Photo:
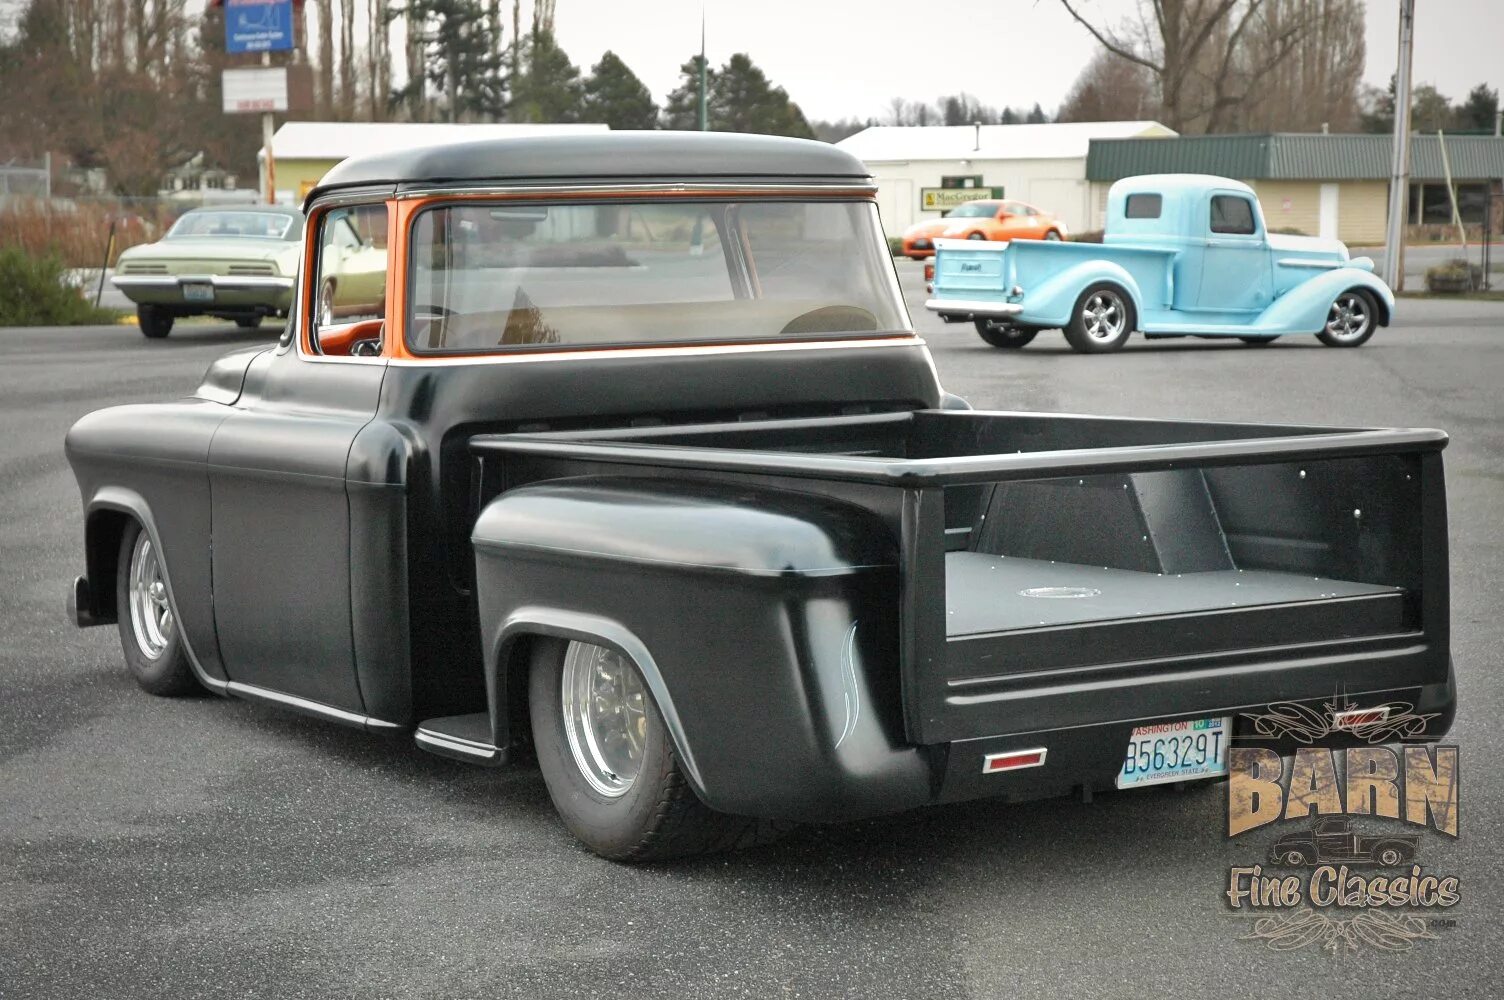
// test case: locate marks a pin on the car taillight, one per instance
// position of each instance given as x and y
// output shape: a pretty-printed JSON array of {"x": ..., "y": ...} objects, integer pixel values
[
  {"x": 1013, "y": 760},
  {"x": 929, "y": 272},
  {"x": 1353, "y": 718}
]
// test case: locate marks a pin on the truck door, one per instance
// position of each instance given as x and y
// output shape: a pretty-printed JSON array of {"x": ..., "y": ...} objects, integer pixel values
[
  {"x": 281, "y": 513},
  {"x": 1235, "y": 271}
]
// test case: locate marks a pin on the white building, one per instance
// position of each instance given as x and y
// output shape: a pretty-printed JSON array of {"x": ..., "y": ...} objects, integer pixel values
[{"x": 1044, "y": 165}]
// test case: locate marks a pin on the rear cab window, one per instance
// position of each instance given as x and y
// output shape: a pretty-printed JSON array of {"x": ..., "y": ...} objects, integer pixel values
[
  {"x": 509, "y": 276},
  {"x": 1143, "y": 206}
]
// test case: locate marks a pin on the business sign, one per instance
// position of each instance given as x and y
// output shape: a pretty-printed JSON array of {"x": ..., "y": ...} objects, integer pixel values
[
  {"x": 945, "y": 199},
  {"x": 258, "y": 25},
  {"x": 260, "y": 88}
]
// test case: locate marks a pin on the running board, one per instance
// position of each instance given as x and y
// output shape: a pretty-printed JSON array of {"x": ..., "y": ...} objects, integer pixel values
[{"x": 461, "y": 737}]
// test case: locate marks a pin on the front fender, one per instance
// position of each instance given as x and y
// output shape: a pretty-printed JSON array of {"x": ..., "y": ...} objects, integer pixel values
[
  {"x": 1304, "y": 308},
  {"x": 764, "y": 623},
  {"x": 1051, "y": 302}
]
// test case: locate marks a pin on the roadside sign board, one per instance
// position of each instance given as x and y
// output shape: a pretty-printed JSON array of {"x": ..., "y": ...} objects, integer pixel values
[
  {"x": 255, "y": 89},
  {"x": 258, "y": 25},
  {"x": 945, "y": 199}
]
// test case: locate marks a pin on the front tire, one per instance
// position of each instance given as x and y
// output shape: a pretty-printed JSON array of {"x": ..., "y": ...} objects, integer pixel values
[
  {"x": 248, "y": 322},
  {"x": 1351, "y": 319},
  {"x": 610, "y": 765},
  {"x": 154, "y": 321},
  {"x": 1002, "y": 334},
  {"x": 149, "y": 631},
  {"x": 976, "y": 236},
  {"x": 1101, "y": 321}
]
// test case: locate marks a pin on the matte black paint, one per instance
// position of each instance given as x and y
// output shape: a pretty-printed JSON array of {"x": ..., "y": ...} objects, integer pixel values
[{"x": 762, "y": 532}]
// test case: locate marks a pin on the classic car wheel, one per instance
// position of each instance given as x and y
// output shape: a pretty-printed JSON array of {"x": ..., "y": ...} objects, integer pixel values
[
  {"x": 153, "y": 321},
  {"x": 1295, "y": 858},
  {"x": 1052, "y": 235},
  {"x": 610, "y": 765},
  {"x": 248, "y": 322},
  {"x": 1102, "y": 320},
  {"x": 326, "y": 303},
  {"x": 1391, "y": 856},
  {"x": 1002, "y": 334},
  {"x": 149, "y": 630},
  {"x": 1350, "y": 321},
  {"x": 976, "y": 236}
]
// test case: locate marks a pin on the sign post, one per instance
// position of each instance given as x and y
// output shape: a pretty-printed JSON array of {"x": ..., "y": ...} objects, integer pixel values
[{"x": 263, "y": 26}]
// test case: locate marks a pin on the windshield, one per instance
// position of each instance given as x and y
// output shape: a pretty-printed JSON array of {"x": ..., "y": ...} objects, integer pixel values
[
  {"x": 263, "y": 225},
  {"x": 974, "y": 210},
  {"x": 516, "y": 275}
]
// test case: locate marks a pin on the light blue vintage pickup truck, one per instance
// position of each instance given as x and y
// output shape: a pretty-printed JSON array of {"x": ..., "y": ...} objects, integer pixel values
[{"x": 1184, "y": 255}]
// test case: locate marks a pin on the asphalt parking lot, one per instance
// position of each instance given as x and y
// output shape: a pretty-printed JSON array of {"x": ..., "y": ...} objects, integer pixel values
[{"x": 209, "y": 848}]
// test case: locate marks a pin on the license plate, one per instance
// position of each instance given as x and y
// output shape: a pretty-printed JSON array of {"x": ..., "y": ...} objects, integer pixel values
[
  {"x": 198, "y": 292},
  {"x": 1176, "y": 751}
]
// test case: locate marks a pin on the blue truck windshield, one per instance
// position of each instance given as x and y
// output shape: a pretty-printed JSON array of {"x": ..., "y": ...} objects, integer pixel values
[{"x": 517, "y": 275}]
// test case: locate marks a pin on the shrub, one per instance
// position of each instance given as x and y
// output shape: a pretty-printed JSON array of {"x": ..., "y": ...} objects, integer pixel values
[
  {"x": 78, "y": 230},
  {"x": 1456, "y": 275},
  {"x": 32, "y": 292},
  {"x": 1089, "y": 236}
]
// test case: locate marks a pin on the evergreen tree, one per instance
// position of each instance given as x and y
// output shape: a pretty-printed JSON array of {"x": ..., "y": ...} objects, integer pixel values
[
  {"x": 614, "y": 95},
  {"x": 463, "y": 62},
  {"x": 743, "y": 100},
  {"x": 1480, "y": 108},
  {"x": 682, "y": 109},
  {"x": 548, "y": 89},
  {"x": 1037, "y": 116}
]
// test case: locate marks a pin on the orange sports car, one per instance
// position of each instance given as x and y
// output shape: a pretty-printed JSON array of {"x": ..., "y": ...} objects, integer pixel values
[{"x": 982, "y": 220}]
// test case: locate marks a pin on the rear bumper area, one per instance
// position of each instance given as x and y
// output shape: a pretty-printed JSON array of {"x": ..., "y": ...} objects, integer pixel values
[{"x": 1089, "y": 758}]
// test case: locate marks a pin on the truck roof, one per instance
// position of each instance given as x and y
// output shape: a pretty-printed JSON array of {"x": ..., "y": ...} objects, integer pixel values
[
  {"x": 1177, "y": 183},
  {"x": 613, "y": 156}
]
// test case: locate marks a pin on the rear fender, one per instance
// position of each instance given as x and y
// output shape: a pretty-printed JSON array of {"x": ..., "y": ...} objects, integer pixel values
[
  {"x": 763, "y": 622},
  {"x": 1051, "y": 302}
]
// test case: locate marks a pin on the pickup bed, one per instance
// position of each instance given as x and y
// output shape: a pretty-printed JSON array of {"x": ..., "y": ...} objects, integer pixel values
[{"x": 645, "y": 475}]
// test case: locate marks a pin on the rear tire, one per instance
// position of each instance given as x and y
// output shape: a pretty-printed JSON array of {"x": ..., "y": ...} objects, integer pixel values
[
  {"x": 976, "y": 236},
  {"x": 248, "y": 322},
  {"x": 1004, "y": 335},
  {"x": 154, "y": 321},
  {"x": 149, "y": 631},
  {"x": 1052, "y": 236},
  {"x": 1102, "y": 320},
  {"x": 650, "y": 814}
]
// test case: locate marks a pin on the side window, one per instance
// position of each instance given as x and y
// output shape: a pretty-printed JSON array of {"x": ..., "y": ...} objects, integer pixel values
[
  {"x": 1143, "y": 206},
  {"x": 350, "y": 275},
  {"x": 1232, "y": 215}
]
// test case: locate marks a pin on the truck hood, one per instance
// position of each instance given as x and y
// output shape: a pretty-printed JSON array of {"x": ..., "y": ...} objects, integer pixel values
[{"x": 1307, "y": 246}]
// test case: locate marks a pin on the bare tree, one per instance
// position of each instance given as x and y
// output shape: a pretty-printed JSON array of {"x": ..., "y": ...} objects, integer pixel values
[
  {"x": 1110, "y": 89},
  {"x": 326, "y": 58},
  {"x": 1195, "y": 49},
  {"x": 1318, "y": 84},
  {"x": 347, "y": 96}
]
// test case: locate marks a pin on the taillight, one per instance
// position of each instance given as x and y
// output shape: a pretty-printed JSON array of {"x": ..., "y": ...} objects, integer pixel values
[
  {"x": 1354, "y": 718},
  {"x": 1013, "y": 760},
  {"x": 929, "y": 271}
]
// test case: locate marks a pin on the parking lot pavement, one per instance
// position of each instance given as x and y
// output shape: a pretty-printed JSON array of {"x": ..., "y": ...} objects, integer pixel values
[{"x": 209, "y": 848}]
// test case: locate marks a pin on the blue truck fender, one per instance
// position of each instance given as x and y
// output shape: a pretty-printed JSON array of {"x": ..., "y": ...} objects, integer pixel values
[
  {"x": 1304, "y": 308},
  {"x": 1051, "y": 302}
]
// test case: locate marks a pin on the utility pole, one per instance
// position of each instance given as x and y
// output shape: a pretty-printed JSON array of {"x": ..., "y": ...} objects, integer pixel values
[
  {"x": 1399, "y": 176},
  {"x": 268, "y": 130},
  {"x": 704, "y": 111}
]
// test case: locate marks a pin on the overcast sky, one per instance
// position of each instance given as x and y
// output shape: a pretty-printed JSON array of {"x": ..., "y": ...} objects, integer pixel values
[{"x": 840, "y": 58}]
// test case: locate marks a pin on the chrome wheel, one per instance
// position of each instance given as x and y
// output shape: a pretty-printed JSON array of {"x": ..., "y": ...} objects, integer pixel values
[
  {"x": 1104, "y": 316},
  {"x": 326, "y": 304},
  {"x": 1052, "y": 235},
  {"x": 1349, "y": 318},
  {"x": 151, "y": 615},
  {"x": 605, "y": 716}
]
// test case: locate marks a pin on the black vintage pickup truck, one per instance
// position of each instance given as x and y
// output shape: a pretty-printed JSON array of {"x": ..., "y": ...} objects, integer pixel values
[{"x": 637, "y": 463}]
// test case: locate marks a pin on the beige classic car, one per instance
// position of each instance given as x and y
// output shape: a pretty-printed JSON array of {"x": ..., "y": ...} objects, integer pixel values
[{"x": 230, "y": 263}]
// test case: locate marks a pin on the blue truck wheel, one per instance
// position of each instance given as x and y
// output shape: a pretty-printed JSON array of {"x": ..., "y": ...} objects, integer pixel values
[
  {"x": 1351, "y": 320},
  {"x": 1101, "y": 320}
]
